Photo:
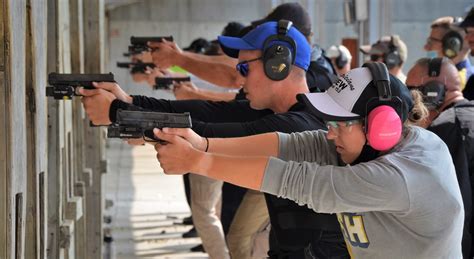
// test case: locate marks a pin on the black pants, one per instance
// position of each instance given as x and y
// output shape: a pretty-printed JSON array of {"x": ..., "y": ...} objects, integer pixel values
[{"x": 326, "y": 245}]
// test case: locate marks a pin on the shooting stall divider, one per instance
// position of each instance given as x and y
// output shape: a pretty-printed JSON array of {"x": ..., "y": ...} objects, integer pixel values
[{"x": 50, "y": 174}]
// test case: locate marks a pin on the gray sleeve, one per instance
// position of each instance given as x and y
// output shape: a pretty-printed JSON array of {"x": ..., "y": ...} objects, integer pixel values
[
  {"x": 311, "y": 146},
  {"x": 371, "y": 186}
]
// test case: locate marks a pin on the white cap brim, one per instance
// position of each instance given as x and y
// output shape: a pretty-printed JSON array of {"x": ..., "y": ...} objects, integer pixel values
[{"x": 327, "y": 108}]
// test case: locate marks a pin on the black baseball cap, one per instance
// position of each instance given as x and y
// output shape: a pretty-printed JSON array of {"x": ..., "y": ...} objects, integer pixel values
[
  {"x": 469, "y": 20},
  {"x": 293, "y": 12},
  {"x": 198, "y": 45},
  {"x": 232, "y": 29}
]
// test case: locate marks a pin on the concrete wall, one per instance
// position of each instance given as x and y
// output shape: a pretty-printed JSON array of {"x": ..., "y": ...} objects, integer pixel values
[{"x": 189, "y": 19}]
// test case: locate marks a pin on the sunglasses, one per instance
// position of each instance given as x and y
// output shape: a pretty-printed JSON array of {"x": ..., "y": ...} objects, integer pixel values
[{"x": 243, "y": 66}]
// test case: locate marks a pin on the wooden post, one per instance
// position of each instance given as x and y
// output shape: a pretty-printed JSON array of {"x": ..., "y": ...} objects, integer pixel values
[
  {"x": 35, "y": 75},
  {"x": 14, "y": 133},
  {"x": 93, "y": 53},
  {"x": 32, "y": 233},
  {"x": 4, "y": 198},
  {"x": 55, "y": 155},
  {"x": 78, "y": 118}
]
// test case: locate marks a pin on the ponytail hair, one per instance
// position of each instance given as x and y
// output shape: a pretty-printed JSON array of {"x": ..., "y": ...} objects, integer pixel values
[{"x": 419, "y": 112}]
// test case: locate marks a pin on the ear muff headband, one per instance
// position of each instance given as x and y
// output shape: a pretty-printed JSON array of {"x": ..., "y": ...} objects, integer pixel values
[
  {"x": 383, "y": 113},
  {"x": 278, "y": 58},
  {"x": 434, "y": 67}
]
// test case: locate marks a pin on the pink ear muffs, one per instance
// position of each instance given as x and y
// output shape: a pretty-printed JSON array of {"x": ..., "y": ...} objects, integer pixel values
[{"x": 384, "y": 128}]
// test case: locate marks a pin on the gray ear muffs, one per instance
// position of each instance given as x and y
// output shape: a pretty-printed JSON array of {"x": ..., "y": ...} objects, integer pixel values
[{"x": 278, "y": 58}]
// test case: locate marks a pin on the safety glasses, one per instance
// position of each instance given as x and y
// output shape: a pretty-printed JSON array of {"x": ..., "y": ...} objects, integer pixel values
[
  {"x": 243, "y": 66},
  {"x": 336, "y": 125}
]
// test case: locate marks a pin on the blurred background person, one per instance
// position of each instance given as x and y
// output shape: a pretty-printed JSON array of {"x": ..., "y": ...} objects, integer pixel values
[
  {"x": 341, "y": 58},
  {"x": 446, "y": 39},
  {"x": 390, "y": 50}
]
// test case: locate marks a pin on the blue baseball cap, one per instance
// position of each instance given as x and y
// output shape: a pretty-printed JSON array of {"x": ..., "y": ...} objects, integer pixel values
[{"x": 255, "y": 39}]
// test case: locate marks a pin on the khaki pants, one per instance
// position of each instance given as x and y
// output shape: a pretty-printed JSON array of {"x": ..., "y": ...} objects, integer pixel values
[
  {"x": 248, "y": 226},
  {"x": 205, "y": 196}
]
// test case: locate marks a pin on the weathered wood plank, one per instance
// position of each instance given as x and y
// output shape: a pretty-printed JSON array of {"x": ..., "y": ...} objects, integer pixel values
[
  {"x": 39, "y": 20},
  {"x": 93, "y": 54},
  {"x": 32, "y": 221},
  {"x": 3, "y": 141},
  {"x": 54, "y": 219},
  {"x": 15, "y": 121}
]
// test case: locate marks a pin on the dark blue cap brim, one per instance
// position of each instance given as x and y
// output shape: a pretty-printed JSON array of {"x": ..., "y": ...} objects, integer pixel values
[
  {"x": 232, "y": 45},
  {"x": 467, "y": 23}
]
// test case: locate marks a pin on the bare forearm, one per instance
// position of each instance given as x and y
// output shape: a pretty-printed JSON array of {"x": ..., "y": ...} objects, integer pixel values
[
  {"x": 247, "y": 172},
  {"x": 217, "y": 73},
  {"x": 216, "y": 59},
  {"x": 214, "y": 96},
  {"x": 257, "y": 145}
]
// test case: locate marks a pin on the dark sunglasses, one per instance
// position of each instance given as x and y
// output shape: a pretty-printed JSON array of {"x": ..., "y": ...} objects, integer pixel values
[{"x": 243, "y": 66}]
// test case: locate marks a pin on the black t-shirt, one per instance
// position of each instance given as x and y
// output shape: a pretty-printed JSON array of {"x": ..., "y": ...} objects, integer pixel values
[
  {"x": 294, "y": 226},
  {"x": 468, "y": 91},
  {"x": 455, "y": 126}
]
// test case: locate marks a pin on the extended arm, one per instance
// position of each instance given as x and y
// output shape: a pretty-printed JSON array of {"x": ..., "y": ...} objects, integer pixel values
[
  {"x": 188, "y": 91},
  {"x": 218, "y": 73},
  {"x": 371, "y": 186},
  {"x": 216, "y": 70}
]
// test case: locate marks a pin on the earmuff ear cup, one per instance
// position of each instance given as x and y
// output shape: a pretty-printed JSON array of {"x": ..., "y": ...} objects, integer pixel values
[
  {"x": 277, "y": 57},
  {"x": 433, "y": 94},
  {"x": 393, "y": 59},
  {"x": 384, "y": 128},
  {"x": 277, "y": 61},
  {"x": 452, "y": 43}
]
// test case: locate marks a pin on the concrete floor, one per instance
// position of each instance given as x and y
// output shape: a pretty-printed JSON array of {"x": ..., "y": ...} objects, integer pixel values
[{"x": 147, "y": 206}]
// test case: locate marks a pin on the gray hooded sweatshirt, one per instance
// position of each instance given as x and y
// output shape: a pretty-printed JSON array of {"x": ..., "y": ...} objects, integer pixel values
[{"x": 404, "y": 204}]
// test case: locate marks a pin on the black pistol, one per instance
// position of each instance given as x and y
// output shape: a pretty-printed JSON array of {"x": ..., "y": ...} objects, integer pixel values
[
  {"x": 165, "y": 83},
  {"x": 136, "y": 67},
  {"x": 64, "y": 86},
  {"x": 140, "y": 124},
  {"x": 139, "y": 44}
]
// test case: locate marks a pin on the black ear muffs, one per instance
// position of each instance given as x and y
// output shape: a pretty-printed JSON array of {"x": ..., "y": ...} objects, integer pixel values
[
  {"x": 392, "y": 58},
  {"x": 433, "y": 91},
  {"x": 452, "y": 43},
  {"x": 278, "y": 58},
  {"x": 433, "y": 94},
  {"x": 434, "y": 67},
  {"x": 342, "y": 59}
]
